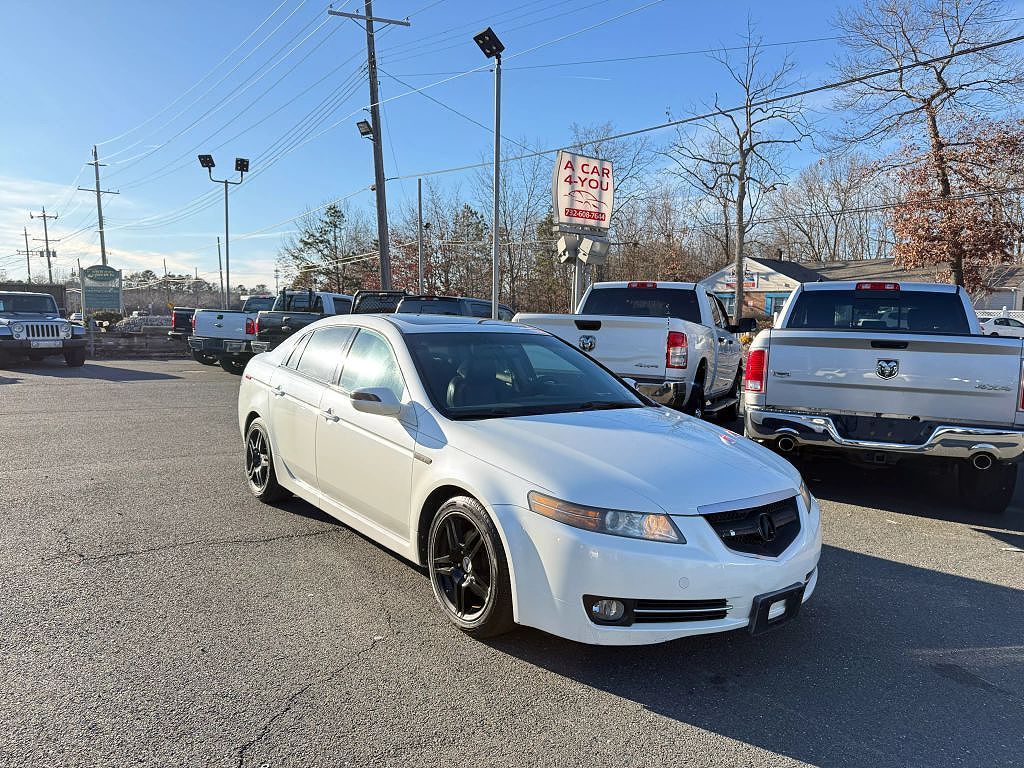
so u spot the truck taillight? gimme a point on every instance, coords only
(193, 323)
(755, 373)
(675, 351)
(1020, 394)
(878, 286)
(250, 326)
(641, 284)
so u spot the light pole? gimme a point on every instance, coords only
(242, 166)
(491, 47)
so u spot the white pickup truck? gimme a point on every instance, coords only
(885, 371)
(673, 339)
(225, 335)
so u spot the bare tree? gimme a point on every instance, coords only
(920, 100)
(733, 158)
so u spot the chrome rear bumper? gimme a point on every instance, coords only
(670, 393)
(946, 440)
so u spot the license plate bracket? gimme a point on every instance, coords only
(45, 343)
(791, 597)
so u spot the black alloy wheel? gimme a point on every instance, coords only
(259, 464)
(232, 366)
(202, 357)
(467, 568)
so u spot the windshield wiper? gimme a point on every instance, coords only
(603, 405)
(490, 413)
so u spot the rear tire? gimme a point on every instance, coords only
(232, 366)
(75, 358)
(259, 465)
(468, 570)
(696, 402)
(202, 357)
(989, 491)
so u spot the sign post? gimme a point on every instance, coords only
(583, 195)
(101, 288)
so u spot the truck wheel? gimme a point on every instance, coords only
(232, 366)
(989, 490)
(75, 358)
(202, 357)
(695, 405)
(732, 412)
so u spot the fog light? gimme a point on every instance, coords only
(607, 610)
(776, 609)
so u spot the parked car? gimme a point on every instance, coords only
(533, 485)
(294, 310)
(919, 384)
(76, 317)
(31, 327)
(451, 305)
(673, 339)
(227, 334)
(1002, 326)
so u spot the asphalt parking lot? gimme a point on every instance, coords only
(155, 614)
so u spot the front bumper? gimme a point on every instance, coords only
(24, 346)
(220, 347)
(556, 565)
(946, 440)
(670, 393)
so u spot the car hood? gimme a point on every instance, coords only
(643, 459)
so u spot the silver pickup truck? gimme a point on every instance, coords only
(884, 372)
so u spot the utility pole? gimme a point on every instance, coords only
(419, 229)
(220, 268)
(277, 288)
(28, 255)
(46, 237)
(99, 201)
(167, 287)
(376, 135)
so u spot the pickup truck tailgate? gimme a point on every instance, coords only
(972, 379)
(629, 346)
(216, 324)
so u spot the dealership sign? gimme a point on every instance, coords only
(583, 192)
(750, 279)
(101, 288)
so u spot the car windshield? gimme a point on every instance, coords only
(680, 303)
(13, 302)
(481, 375)
(877, 310)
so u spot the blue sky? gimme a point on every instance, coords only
(119, 73)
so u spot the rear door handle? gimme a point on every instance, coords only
(330, 415)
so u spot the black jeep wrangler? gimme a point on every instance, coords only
(31, 326)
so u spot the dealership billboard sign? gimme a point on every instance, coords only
(101, 288)
(583, 193)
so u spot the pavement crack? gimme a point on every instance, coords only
(129, 553)
(294, 697)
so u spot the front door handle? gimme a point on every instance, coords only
(278, 391)
(330, 415)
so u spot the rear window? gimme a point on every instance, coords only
(679, 303)
(897, 311)
(431, 306)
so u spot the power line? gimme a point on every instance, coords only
(725, 111)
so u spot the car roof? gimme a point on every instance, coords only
(851, 285)
(25, 293)
(659, 283)
(413, 323)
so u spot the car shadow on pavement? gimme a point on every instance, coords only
(59, 370)
(888, 664)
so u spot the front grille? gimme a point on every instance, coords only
(657, 611)
(42, 331)
(766, 530)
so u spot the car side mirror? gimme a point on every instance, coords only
(377, 400)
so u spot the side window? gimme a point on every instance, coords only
(293, 359)
(479, 309)
(716, 313)
(323, 352)
(505, 314)
(1002, 321)
(1015, 323)
(371, 363)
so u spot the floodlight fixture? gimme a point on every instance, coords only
(242, 164)
(206, 161)
(365, 129)
(489, 43)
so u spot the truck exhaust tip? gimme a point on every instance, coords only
(981, 461)
(786, 444)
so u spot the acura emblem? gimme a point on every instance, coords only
(766, 527)
(887, 369)
(587, 343)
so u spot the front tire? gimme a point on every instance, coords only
(75, 358)
(990, 490)
(259, 465)
(468, 570)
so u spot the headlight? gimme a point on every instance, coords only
(633, 525)
(18, 328)
(66, 330)
(805, 494)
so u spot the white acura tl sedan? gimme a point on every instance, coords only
(535, 486)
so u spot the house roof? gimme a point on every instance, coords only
(790, 269)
